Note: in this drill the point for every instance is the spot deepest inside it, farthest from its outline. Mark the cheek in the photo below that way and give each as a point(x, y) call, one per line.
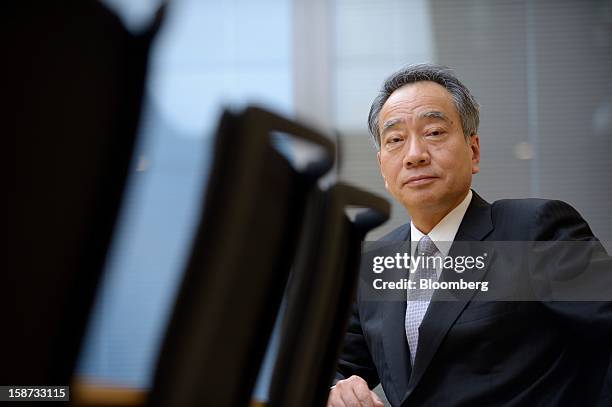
point(388, 168)
point(455, 162)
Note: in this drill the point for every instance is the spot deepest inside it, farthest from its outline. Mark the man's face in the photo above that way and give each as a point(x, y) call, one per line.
point(424, 158)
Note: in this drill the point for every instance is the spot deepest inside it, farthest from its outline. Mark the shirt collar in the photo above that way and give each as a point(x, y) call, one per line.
point(443, 234)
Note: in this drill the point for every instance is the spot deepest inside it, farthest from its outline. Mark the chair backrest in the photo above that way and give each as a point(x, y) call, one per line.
point(320, 294)
point(73, 77)
point(241, 258)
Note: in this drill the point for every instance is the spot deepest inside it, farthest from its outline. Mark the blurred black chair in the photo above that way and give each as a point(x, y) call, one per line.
point(73, 86)
point(240, 262)
point(321, 292)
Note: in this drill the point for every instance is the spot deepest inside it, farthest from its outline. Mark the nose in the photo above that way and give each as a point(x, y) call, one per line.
point(415, 153)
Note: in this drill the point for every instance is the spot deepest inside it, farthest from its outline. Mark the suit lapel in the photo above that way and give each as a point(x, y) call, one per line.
point(394, 340)
point(395, 344)
point(442, 311)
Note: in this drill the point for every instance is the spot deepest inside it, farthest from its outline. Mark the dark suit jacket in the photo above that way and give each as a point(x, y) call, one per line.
point(487, 353)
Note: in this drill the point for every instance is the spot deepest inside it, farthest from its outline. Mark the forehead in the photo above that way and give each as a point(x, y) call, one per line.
point(418, 97)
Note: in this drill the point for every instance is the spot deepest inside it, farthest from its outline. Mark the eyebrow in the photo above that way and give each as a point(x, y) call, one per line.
point(389, 123)
point(434, 114)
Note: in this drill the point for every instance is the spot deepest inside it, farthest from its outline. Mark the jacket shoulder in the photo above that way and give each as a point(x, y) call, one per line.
point(539, 219)
point(530, 206)
point(400, 233)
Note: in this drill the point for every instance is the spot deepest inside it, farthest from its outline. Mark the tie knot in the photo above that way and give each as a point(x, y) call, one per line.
point(426, 247)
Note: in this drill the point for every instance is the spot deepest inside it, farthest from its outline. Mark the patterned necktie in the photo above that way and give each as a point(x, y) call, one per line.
point(418, 299)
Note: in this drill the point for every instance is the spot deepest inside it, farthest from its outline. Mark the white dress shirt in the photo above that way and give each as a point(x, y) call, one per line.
point(443, 234)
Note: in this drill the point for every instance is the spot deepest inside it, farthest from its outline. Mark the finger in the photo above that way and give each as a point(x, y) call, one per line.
point(334, 399)
point(362, 393)
point(348, 398)
point(333, 402)
point(377, 401)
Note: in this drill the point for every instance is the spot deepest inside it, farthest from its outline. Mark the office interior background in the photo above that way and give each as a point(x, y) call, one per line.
point(541, 70)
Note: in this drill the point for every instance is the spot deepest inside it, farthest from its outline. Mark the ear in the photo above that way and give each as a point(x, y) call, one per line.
point(380, 169)
point(475, 147)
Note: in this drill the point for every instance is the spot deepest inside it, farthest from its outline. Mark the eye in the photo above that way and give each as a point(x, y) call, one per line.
point(435, 133)
point(393, 139)
point(394, 142)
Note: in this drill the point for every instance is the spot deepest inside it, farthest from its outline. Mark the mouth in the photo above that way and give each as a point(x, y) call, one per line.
point(420, 180)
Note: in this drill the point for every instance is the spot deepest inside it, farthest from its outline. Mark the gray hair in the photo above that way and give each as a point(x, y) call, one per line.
point(466, 105)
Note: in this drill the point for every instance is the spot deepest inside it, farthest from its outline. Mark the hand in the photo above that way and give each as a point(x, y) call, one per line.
point(353, 391)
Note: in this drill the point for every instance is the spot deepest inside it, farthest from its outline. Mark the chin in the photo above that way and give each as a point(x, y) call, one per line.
point(424, 201)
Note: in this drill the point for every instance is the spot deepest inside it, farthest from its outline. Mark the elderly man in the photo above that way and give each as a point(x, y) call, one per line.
point(465, 352)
